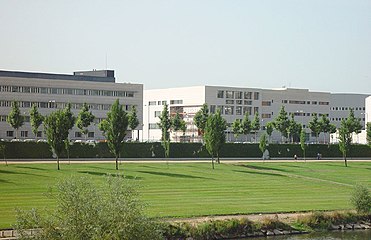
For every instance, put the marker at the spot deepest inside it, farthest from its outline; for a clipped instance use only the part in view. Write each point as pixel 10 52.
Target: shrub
pixel 86 211
pixel 361 199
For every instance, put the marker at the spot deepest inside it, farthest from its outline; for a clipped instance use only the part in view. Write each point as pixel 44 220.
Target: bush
pixel 361 199
pixel 86 211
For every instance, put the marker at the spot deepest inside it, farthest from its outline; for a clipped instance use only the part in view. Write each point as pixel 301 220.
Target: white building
pixel 234 102
pixel 53 91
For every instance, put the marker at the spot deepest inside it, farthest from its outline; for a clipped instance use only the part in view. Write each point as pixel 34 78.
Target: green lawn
pixel 194 189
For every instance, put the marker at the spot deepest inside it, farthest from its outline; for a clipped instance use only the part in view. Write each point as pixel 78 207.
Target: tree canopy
pixel 165 125
pixel 84 119
pixel 15 118
pixel 282 122
pixel 36 119
pixel 201 117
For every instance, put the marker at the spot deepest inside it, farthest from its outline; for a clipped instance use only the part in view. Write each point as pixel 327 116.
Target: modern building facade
pixel 234 102
pixel 53 91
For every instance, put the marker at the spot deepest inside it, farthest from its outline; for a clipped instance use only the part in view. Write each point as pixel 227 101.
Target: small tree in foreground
pixel 200 118
pixel 84 210
pixel 165 125
pixel 263 143
pixel 361 199
pixel 84 119
pixel 133 119
pixel 215 135
pixel 303 137
pixel 14 118
pixel 36 119
pixel 114 129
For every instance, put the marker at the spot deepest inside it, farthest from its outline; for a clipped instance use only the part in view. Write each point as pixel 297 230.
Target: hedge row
pixel 19 150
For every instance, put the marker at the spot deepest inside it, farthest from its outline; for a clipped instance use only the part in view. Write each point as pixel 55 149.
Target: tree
pixel 315 126
pixel 85 210
pixel 282 122
pixel 36 119
pixel 176 124
pixel 303 137
pixel 246 125
pixel 84 119
pixel 165 125
pixel 354 124
pixel 236 127
pixel 201 117
pixel 368 132
pixel 114 128
pixel 325 126
pixel 263 143
pixel 269 127
pixel 294 129
pixel 56 127
pixel 215 134
pixel 133 119
pixel 255 124
pixel 345 139
pixel 14 118
pixel 361 199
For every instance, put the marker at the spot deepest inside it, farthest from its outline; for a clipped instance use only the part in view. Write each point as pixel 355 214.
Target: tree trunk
pixel 58 162
pixel 345 160
pixel 212 161
pixel 117 164
pixel 218 160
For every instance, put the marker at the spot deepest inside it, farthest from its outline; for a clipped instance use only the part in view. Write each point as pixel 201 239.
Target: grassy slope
pixel 194 189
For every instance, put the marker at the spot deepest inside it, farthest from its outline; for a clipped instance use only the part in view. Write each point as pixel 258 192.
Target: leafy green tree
pixel 14 118
pixel 345 139
pixel 354 124
pixel 246 125
pixel 84 119
pixel 177 123
pixel 84 210
pixel 255 124
pixel 236 127
pixel 263 143
pixel 165 125
pixel 368 132
pixel 303 136
pixel 56 127
pixel 36 119
pixel 294 129
pixel 114 128
pixel 269 127
pixel 201 117
pixel 361 199
pixel 215 134
pixel 133 119
pixel 315 126
pixel 282 122
pixel 326 126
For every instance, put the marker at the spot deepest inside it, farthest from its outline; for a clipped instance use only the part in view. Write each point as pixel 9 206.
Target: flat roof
pixel 51 76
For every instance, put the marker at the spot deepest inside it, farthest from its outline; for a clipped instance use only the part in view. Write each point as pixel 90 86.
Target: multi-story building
pixel 53 91
pixel 234 102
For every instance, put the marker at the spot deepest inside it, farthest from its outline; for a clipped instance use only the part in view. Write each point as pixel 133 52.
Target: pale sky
pixel 322 45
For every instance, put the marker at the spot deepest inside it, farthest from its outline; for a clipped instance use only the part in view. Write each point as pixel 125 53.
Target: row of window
pixel 232 110
pixel 348 108
pixel 53 104
pixel 24 134
pixel 27 119
pixel 238 102
pixel 66 91
pixel 237 95
pixel 305 102
pixel 159 103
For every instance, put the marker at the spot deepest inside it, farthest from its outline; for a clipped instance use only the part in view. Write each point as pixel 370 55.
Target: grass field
pixel 194 189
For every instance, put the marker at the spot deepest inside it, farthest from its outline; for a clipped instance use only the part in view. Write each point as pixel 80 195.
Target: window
pixel 238 95
pixel 152 103
pixel 266 103
pixel 164 102
pixel 323 103
pixel 77 134
pixel 212 108
pixel 247 102
pixel 91 134
pixel 229 94
pixel 256 110
pixel 153 126
pixel 228 110
pixel 314 102
pixel 238 110
pixel 220 94
pixel 10 133
pixel 284 101
pixel 229 101
pixel 176 101
pixel 221 108
pixel 239 102
pixel 39 134
pixel 247 95
pixel 157 113
pixel 247 110
pixel 266 115
pixel 24 134
pixel 256 96
pixel 296 102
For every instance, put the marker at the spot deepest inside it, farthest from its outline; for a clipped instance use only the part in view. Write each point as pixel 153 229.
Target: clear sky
pixel 317 44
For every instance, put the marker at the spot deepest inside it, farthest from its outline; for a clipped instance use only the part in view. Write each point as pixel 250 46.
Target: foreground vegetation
pixel 194 189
